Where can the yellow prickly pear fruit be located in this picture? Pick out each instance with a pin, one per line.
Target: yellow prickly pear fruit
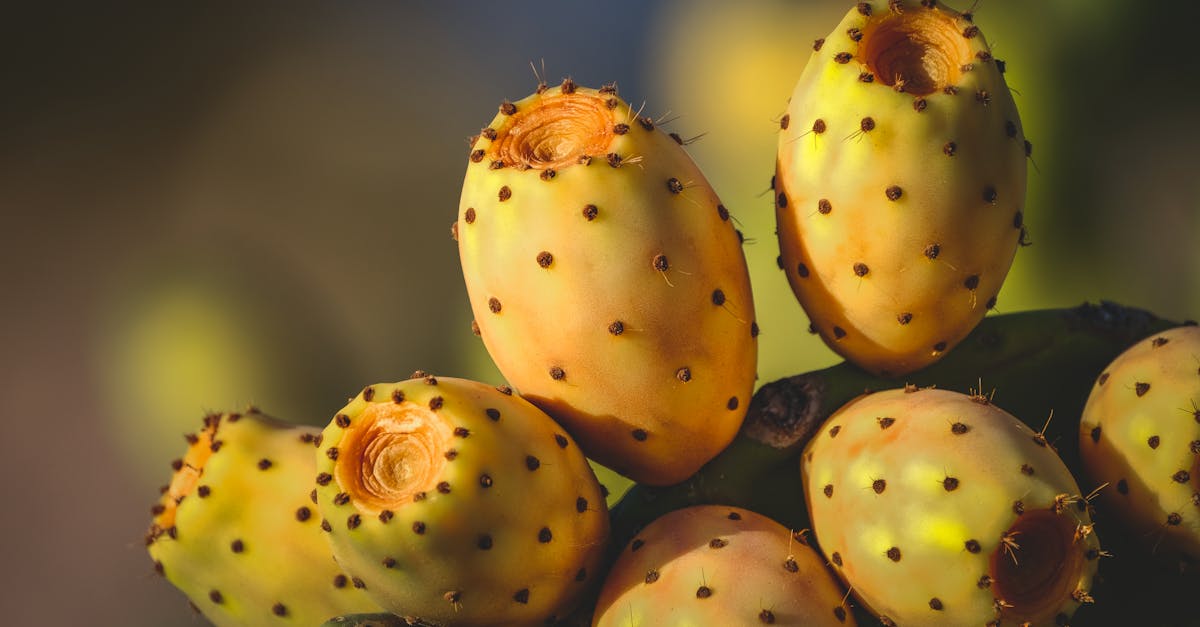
(1140, 438)
(900, 184)
(607, 281)
(460, 504)
(237, 531)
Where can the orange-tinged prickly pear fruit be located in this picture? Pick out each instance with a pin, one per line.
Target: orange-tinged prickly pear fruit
(939, 508)
(713, 566)
(607, 281)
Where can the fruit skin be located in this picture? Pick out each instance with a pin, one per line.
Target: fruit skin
(899, 212)
(611, 288)
(236, 530)
(716, 565)
(460, 504)
(1042, 361)
(375, 620)
(1140, 437)
(917, 497)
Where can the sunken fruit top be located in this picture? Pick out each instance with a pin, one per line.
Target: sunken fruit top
(920, 51)
(553, 133)
(394, 452)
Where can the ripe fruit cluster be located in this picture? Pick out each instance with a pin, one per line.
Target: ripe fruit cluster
(608, 284)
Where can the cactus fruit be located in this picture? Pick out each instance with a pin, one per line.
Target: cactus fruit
(236, 531)
(607, 281)
(1012, 351)
(1140, 438)
(711, 565)
(460, 504)
(938, 508)
(900, 184)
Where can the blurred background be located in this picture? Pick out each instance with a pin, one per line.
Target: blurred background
(205, 205)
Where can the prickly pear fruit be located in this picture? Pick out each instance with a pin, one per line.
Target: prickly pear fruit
(900, 184)
(938, 508)
(236, 530)
(607, 281)
(1140, 438)
(711, 565)
(460, 504)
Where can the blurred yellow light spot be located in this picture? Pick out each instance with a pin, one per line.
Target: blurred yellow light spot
(174, 353)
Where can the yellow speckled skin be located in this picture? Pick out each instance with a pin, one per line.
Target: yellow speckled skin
(248, 532)
(911, 493)
(1140, 434)
(546, 524)
(753, 571)
(624, 394)
(956, 166)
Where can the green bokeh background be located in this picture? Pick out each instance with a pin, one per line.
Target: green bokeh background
(209, 205)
